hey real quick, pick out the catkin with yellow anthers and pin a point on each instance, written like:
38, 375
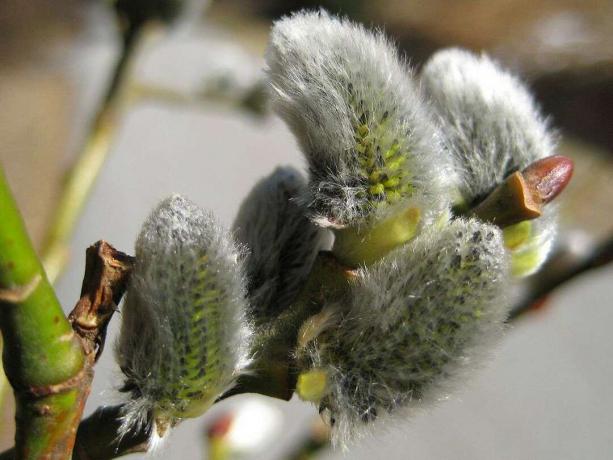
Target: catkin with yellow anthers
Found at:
416, 322
359, 118
281, 242
183, 335
491, 127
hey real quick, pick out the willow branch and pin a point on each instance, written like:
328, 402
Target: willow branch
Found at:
558, 271
251, 100
43, 358
83, 174
49, 366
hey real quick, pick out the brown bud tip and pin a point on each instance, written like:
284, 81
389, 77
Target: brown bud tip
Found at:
549, 176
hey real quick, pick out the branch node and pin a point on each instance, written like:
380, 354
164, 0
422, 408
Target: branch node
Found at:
20, 293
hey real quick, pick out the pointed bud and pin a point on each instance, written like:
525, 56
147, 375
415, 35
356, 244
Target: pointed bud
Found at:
359, 118
183, 335
417, 320
549, 176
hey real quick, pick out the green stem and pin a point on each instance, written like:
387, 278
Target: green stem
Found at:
41, 352
356, 246
84, 172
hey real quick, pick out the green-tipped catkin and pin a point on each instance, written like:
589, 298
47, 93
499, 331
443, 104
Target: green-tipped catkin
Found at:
492, 127
372, 148
417, 321
183, 334
281, 242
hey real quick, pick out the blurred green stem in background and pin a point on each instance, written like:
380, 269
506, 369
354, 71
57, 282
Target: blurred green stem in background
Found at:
82, 176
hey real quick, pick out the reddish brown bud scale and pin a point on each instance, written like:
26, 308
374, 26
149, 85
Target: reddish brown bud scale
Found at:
511, 202
522, 195
549, 176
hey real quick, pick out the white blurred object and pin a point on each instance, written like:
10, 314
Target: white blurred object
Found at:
255, 424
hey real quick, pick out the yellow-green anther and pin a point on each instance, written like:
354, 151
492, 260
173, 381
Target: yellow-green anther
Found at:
312, 385
517, 235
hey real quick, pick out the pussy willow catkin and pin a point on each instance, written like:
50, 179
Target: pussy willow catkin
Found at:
359, 117
491, 126
183, 334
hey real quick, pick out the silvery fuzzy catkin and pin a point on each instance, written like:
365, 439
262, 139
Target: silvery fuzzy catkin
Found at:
417, 320
280, 240
183, 334
360, 121
491, 123
492, 127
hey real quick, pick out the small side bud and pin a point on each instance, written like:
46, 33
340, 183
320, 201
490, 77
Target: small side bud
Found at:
358, 115
281, 241
183, 334
417, 320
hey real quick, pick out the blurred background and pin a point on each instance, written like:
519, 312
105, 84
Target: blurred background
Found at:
194, 120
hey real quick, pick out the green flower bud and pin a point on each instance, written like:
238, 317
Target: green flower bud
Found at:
183, 334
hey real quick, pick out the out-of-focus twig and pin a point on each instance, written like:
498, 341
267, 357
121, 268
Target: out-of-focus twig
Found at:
97, 438
83, 174
561, 268
317, 440
252, 99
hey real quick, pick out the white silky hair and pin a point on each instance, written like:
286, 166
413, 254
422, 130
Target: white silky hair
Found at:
490, 122
183, 334
419, 322
342, 88
280, 241
492, 127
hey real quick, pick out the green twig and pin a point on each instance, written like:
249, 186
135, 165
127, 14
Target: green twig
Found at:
107, 272
43, 358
